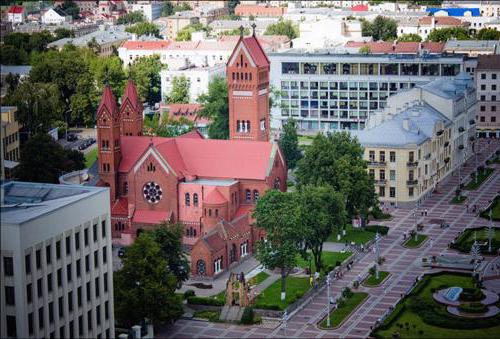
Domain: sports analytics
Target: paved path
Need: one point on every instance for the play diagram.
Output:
(403, 264)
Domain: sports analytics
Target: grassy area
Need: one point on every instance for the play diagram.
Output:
(260, 277)
(329, 259)
(343, 311)
(466, 239)
(372, 280)
(412, 243)
(209, 315)
(307, 139)
(357, 235)
(90, 157)
(270, 298)
(495, 215)
(410, 323)
(481, 177)
(458, 199)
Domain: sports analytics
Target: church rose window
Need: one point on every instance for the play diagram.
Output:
(152, 192)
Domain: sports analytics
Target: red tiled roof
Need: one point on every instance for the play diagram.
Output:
(255, 49)
(108, 100)
(202, 157)
(214, 241)
(406, 47)
(130, 93)
(214, 197)
(15, 9)
(359, 8)
(440, 21)
(192, 134)
(246, 10)
(146, 45)
(120, 207)
(150, 217)
(433, 47)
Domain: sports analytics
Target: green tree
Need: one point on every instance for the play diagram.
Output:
(381, 28)
(236, 31)
(180, 90)
(71, 8)
(216, 108)
(94, 45)
(289, 143)
(146, 73)
(182, 7)
(232, 4)
(131, 18)
(167, 127)
(185, 33)
(12, 81)
(283, 27)
(321, 211)
(337, 160)
(107, 69)
(62, 33)
(144, 28)
(365, 50)
(44, 160)
(488, 34)
(11, 55)
(167, 9)
(445, 34)
(145, 286)
(277, 213)
(169, 237)
(85, 100)
(411, 37)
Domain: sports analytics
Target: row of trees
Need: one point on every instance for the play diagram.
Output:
(333, 186)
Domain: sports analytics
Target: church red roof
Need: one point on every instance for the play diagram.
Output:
(16, 9)
(120, 207)
(202, 157)
(215, 197)
(108, 100)
(130, 93)
(255, 49)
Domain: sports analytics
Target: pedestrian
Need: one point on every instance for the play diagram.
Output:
(311, 280)
(426, 212)
(404, 236)
(467, 208)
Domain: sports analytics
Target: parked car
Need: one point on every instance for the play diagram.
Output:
(72, 137)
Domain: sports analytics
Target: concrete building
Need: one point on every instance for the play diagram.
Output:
(473, 48)
(421, 137)
(11, 151)
(220, 26)
(332, 90)
(423, 26)
(328, 33)
(489, 8)
(259, 11)
(209, 13)
(57, 271)
(55, 16)
(178, 21)
(488, 95)
(198, 77)
(16, 14)
(150, 9)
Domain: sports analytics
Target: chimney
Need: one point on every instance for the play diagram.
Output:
(433, 22)
(406, 124)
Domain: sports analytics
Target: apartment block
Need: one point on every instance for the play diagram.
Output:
(488, 95)
(56, 273)
(11, 151)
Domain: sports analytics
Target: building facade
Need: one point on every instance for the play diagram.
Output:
(16, 14)
(150, 9)
(325, 90)
(11, 151)
(178, 21)
(57, 273)
(421, 137)
(488, 95)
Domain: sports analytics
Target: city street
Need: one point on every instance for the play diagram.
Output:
(403, 264)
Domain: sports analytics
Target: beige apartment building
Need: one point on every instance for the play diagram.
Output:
(488, 95)
(10, 140)
(178, 21)
(422, 136)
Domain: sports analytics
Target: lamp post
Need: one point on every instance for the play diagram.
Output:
(328, 282)
(475, 161)
(377, 257)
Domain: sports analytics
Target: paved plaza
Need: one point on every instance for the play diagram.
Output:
(403, 264)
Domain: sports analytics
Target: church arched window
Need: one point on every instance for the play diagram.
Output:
(187, 199)
(248, 195)
(195, 199)
(255, 195)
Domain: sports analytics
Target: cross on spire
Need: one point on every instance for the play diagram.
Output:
(253, 25)
(242, 29)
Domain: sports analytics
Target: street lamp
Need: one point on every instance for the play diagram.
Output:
(377, 248)
(328, 282)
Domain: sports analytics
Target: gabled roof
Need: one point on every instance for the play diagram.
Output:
(108, 101)
(441, 21)
(359, 8)
(16, 9)
(120, 207)
(256, 52)
(214, 197)
(130, 93)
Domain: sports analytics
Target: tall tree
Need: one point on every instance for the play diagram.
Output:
(167, 127)
(146, 73)
(216, 108)
(145, 286)
(381, 28)
(321, 211)
(488, 34)
(44, 160)
(411, 37)
(71, 8)
(180, 90)
(289, 143)
(131, 18)
(277, 213)
(445, 34)
(62, 33)
(144, 28)
(167, 9)
(283, 27)
(169, 237)
(337, 160)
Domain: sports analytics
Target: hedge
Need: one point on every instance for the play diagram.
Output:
(383, 230)
(204, 301)
(247, 317)
(473, 308)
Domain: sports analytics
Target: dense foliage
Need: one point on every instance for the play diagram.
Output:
(131, 18)
(180, 90)
(289, 143)
(185, 33)
(445, 34)
(411, 37)
(144, 28)
(283, 27)
(381, 28)
(216, 108)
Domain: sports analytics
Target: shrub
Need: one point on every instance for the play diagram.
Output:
(347, 293)
(383, 230)
(189, 293)
(471, 294)
(204, 301)
(340, 302)
(355, 284)
(268, 307)
(247, 317)
(372, 270)
(475, 307)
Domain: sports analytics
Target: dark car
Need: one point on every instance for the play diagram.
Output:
(72, 137)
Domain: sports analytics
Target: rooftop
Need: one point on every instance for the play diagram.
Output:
(441, 21)
(472, 44)
(449, 89)
(25, 201)
(109, 35)
(488, 62)
(456, 11)
(383, 47)
(211, 182)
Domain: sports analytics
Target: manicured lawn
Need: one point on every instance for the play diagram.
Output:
(373, 281)
(329, 260)
(260, 277)
(220, 296)
(466, 239)
(412, 243)
(482, 176)
(458, 199)
(209, 315)
(357, 235)
(90, 157)
(343, 312)
(495, 215)
(420, 329)
(271, 296)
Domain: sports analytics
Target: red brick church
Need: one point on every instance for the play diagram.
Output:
(210, 186)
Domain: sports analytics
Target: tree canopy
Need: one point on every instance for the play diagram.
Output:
(180, 90)
(488, 34)
(216, 108)
(283, 27)
(337, 160)
(289, 143)
(146, 73)
(144, 28)
(44, 160)
(185, 33)
(131, 18)
(445, 34)
(70, 8)
(411, 37)
(381, 28)
(18, 47)
(167, 127)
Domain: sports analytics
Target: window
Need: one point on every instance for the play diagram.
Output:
(58, 249)
(48, 255)
(392, 192)
(98, 314)
(30, 323)
(483, 87)
(125, 187)
(493, 98)
(86, 236)
(482, 118)
(61, 332)
(483, 108)
(96, 258)
(70, 301)
(11, 326)
(105, 281)
(483, 97)
(371, 172)
(87, 263)
(40, 318)
(493, 108)
(392, 174)
(38, 259)
(49, 282)
(29, 293)
(411, 156)
(39, 288)
(381, 191)
(493, 119)
(248, 195)
(9, 295)
(8, 266)
(371, 156)
(68, 272)
(483, 76)
(382, 156)
(88, 291)
(195, 199)
(80, 325)
(94, 232)
(89, 320)
(392, 156)
(263, 125)
(106, 310)
(255, 195)
(104, 255)
(410, 191)
(68, 245)
(187, 199)
(59, 277)
(71, 329)
(97, 290)
(493, 87)
(27, 263)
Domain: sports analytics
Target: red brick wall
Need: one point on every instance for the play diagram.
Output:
(131, 120)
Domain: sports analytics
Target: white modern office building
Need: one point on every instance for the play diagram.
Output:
(56, 272)
(329, 90)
